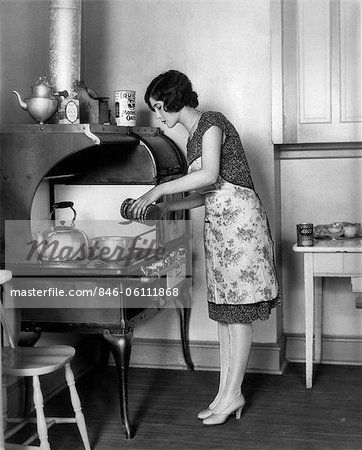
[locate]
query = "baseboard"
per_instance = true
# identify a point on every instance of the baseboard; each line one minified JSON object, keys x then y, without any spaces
{"x":335,"y":349}
{"x":167,"y":354}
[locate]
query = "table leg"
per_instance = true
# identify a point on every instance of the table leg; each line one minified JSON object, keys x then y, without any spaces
{"x":183,"y":305}
{"x":318,"y":311}
{"x":121,"y":350}
{"x":309,"y":316}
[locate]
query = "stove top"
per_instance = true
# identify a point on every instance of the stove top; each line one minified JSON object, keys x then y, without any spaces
{"x":150,"y":265}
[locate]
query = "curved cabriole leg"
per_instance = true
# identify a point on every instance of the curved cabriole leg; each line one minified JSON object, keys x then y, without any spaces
{"x":27,"y":397}
{"x":74,"y":397}
{"x":183,"y":304}
{"x":40,"y":418}
{"x":121,"y":345}
{"x":28,"y":339}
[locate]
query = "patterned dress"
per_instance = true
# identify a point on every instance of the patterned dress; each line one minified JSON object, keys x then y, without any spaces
{"x":241,"y":278}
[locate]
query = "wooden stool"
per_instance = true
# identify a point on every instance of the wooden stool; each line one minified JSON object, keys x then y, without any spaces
{"x":33,"y":362}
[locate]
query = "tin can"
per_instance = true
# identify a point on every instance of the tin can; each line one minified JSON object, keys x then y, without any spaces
{"x":125,"y":208}
{"x":151,"y":214}
{"x":68,"y":112}
{"x":305,"y":235}
{"x":125,"y":108}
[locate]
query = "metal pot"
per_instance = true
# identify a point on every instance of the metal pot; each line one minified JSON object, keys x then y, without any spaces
{"x":115,"y":248}
{"x":111,"y":248}
{"x":43,"y":103}
{"x":62,"y":243}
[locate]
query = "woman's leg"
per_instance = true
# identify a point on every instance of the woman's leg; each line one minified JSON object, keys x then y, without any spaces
{"x":240,"y":345}
{"x":224,"y":349}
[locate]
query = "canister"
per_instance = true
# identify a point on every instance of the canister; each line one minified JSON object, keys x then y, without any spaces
{"x":151,"y":214}
{"x":125,"y":108}
{"x":305,"y":235}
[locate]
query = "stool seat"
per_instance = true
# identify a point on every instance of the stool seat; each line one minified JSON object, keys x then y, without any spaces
{"x":29,"y":361}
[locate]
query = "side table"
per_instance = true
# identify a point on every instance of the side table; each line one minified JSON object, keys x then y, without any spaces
{"x":327,"y":258}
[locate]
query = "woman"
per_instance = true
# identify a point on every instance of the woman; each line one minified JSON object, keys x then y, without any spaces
{"x":241,"y":278}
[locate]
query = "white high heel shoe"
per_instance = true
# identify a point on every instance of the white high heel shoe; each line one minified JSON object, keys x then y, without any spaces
{"x":205,"y":413}
{"x":236,"y":406}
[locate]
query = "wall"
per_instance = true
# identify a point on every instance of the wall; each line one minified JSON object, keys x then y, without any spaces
{"x":223,"y":46}
{"x":24,"y":37}
{"x":320,"y":191}
{"x":321,"y":51}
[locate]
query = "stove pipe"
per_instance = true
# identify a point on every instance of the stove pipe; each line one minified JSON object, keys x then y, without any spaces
{"x":65,"y":43}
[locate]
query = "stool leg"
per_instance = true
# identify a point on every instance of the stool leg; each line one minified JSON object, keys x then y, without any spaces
{"x":79,"y":417}
{"x":40,"y":418}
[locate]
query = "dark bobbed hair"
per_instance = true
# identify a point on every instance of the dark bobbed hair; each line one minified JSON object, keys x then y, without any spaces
{"x":174,"y":89}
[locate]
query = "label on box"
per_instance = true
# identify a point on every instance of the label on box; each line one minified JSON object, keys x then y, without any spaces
{"x":71,"y":111}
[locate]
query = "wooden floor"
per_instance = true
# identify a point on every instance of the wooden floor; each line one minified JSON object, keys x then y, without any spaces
{"x":280,"y":413}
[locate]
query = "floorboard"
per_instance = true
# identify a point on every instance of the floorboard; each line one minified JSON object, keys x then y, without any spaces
{"x":280,"y":413}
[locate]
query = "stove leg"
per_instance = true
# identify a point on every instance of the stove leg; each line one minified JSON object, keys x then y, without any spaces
{"x":28,"y":339}
{"x":121,"y":349}
{"x":183,"y":304}
{"x":104,"y":353}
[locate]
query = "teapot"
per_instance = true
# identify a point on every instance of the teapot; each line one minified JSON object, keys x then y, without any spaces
{"x":62,"y":243}
{"x":43,"y":103}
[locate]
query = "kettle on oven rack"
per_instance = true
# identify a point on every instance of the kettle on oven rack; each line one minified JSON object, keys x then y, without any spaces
{"x":62,"y":243}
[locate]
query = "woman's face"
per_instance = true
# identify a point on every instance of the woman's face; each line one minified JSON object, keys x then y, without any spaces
{"x":170,"y":119}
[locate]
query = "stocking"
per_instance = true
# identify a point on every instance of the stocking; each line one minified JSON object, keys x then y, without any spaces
{"x":224,"y":348}
{"x":240,"y":345}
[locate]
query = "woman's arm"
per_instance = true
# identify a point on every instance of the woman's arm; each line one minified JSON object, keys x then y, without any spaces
{"x":193,"y":200}
{"x":211,"y":147}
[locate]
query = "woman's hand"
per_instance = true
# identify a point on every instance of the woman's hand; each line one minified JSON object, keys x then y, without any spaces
{"x":140,"y":205}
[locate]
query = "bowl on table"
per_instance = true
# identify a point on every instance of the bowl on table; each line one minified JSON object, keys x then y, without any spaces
{"x":335,"y":229}
{"x":329,"y":231}
{"x":351,"y":229}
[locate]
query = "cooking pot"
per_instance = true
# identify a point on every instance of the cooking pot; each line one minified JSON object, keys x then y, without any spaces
{"x":115,"y":248}
{"x":110,"y":248}
{"x":62,"y":243}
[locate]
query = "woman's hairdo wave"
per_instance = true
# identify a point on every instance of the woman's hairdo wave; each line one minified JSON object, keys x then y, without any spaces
{"x":174,"y":89}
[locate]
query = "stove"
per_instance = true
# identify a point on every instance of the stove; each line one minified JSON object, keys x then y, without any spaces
{"x":97,"y":156}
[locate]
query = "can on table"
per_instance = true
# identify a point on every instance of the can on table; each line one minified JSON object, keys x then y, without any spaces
{"x":305,"y":235}
{"x":125,"y":108}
